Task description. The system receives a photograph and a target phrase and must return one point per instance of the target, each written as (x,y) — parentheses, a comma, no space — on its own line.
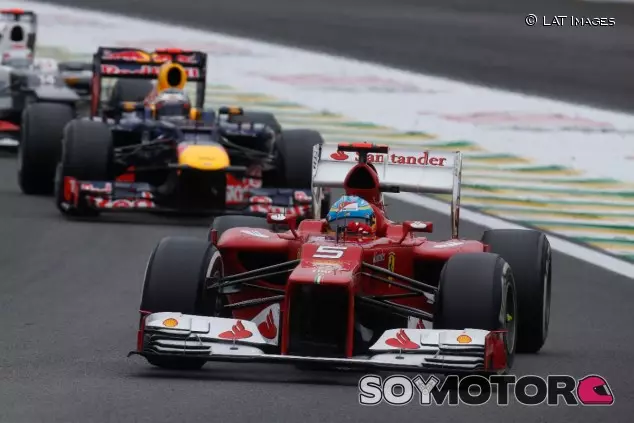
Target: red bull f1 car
(131,155)
(313,296)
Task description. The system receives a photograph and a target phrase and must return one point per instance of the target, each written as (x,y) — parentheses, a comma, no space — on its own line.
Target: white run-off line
(548,132)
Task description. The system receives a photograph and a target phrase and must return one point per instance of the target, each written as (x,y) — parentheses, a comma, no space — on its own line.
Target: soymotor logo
(478,390)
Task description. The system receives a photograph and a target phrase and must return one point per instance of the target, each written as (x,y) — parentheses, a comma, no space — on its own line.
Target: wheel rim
(510,320)
(546,299)
(213,303)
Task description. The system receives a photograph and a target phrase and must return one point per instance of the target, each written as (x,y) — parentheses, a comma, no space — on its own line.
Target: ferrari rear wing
(400,168)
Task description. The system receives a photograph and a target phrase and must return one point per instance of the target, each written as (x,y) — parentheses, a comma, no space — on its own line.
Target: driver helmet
(352,214)
(172,104)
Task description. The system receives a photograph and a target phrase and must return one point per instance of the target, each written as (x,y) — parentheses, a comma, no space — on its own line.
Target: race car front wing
(223,339)
(138,196)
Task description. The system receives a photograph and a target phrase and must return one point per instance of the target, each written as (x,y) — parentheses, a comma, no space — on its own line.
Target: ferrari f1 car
(127,158)
(24,79)
(314,296)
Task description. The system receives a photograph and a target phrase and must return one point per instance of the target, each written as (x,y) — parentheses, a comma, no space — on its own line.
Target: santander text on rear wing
(399,168)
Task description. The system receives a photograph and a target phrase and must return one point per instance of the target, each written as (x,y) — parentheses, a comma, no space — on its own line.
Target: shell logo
(170,323)
(464,339)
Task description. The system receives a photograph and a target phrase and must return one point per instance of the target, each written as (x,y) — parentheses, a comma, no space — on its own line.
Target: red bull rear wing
(130,62)
(133,62)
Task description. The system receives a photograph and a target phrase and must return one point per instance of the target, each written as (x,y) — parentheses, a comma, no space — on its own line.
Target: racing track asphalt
(69,293)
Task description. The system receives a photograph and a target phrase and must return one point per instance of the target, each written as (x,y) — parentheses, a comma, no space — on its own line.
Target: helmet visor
(342,222)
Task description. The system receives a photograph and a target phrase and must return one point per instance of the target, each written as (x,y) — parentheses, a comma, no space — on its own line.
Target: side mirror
(280,219)
(411,226)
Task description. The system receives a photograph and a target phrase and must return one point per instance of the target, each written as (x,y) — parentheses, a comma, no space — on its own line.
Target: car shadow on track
(280,375)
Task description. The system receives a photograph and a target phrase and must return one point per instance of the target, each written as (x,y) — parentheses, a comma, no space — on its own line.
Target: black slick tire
(87,155)
(40,146)
(477,291)
(174,282)
(529,255)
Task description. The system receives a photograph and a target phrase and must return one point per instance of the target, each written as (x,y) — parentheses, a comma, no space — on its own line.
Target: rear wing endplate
(399,168)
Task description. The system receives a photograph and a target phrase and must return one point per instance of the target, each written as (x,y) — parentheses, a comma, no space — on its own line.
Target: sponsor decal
(346,83)
(423,159)
(139,56)
(402,341)
(391,261)
(379,257)
(279,217)
(302,198)
(238,331)
(170,323)
(348,206)
(267,322)
(464,339)
(324,269)
(97,187)
(302,210)
(339,155)
(237,189)
(260,199)
(418,225)
(143,70)
(104,203)
(476,390)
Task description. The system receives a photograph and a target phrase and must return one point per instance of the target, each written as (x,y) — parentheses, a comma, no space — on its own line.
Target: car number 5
(326,251)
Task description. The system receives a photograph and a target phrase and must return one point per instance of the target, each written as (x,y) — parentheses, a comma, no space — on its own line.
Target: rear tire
(477,291)
(87,155)
(529,255)
(295,148)
(41,145)
(175,282)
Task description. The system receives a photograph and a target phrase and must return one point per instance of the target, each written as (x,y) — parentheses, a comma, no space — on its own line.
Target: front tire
(529,255)
(477,290)
(87,155)
(175,282)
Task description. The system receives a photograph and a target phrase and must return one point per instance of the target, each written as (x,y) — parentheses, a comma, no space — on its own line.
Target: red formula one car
(314,294)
